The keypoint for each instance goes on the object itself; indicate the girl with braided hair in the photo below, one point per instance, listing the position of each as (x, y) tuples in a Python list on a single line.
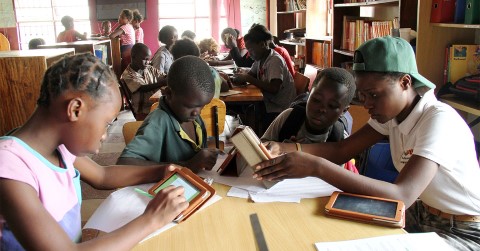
[(41, 163)]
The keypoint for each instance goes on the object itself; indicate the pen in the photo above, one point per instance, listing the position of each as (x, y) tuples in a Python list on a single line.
[(140, 191)]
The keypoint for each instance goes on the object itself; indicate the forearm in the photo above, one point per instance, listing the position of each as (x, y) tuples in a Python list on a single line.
[(150, 87), (128, 175), (265, 86)]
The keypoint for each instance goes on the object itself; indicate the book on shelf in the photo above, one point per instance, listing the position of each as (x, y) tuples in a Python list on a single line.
[(463, 60), (357, 30), (321, 56)]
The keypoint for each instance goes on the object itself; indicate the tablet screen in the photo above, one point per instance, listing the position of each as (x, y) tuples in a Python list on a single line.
[(366, 205), (176, 180)]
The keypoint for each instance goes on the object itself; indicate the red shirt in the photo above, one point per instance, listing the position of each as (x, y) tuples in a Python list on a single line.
[(288, 60)]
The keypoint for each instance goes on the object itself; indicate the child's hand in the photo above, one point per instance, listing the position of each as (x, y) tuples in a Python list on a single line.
[(205, 159), (230, 42), (286, 166), (240, 78), (167, 204), (276, 148)]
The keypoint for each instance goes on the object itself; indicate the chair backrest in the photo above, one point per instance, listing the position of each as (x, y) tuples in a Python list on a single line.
[(128, 96), (154, 106), (214, 123), (4, 43), (310, 72), (377, 163), (301, 83), (130, 129)]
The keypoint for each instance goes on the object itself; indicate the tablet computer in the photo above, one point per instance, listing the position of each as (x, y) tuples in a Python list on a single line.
[(197, 191), (368, 209)]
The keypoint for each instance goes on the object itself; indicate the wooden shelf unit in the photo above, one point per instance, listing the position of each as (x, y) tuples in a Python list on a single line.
[(405, 10), (20, 82), (288, 20)]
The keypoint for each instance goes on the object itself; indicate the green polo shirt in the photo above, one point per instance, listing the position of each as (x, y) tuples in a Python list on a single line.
[(161, 139)]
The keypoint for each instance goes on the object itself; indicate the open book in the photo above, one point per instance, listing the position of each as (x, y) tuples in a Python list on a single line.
[(251, 149)]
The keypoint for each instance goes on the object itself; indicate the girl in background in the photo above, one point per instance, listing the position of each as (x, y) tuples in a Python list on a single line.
[(137, 20), (69, 34), (127, 36), (163, 58)]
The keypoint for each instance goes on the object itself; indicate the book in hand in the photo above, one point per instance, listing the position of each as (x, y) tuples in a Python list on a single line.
[(251, 148), (197, 191), (368, 209)]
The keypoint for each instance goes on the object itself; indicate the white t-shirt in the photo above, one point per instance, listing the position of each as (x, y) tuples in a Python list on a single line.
[(435, 131)]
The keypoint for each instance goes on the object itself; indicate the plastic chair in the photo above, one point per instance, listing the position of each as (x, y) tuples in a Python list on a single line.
[(129, 130), (4, 43), (128, 98), (301, 83), (377, 163), (213, 115)]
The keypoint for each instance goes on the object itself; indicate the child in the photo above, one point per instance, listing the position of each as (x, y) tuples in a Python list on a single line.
[(189, 34), (137, 20), (237, 50), (436, 163), (41, 163), (69, 34), (269, 73), (208, 49), (184, 47), (318, 120), (106, 28), (163, 58), (175, 132), (142, 79), (284, 53), (35, 42), (127, 36)]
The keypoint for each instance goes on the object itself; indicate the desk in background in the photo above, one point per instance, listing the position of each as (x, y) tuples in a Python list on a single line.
[(20, 81), (225, 225), (463, 105)]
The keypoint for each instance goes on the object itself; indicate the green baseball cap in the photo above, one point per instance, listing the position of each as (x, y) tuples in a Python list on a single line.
[(389, 54)]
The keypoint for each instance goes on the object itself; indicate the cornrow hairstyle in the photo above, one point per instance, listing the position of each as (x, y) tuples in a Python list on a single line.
[(190, 73), (128, 14), (137, 16), (341, 77), (165, 33), (81, 72), (258, 33), (184, 47)]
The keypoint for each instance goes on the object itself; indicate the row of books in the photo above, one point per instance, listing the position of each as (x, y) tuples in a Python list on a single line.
[(358, 30), (455, 11), (293, 5), (358, 1), (461, 60), (322, 54)]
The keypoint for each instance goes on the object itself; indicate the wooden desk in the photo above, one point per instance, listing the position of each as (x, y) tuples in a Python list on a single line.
[(225, 225), (466, 106), (250, 93), (21, 74), (84, 46)]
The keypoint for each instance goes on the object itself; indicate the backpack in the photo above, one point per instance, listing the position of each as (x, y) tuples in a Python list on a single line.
[(467, 87), (297, 117)]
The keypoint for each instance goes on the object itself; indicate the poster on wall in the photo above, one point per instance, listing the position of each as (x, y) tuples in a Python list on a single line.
[(110, 9)]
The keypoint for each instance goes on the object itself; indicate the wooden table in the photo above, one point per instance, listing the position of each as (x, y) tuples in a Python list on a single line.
[(464, 105), (225, 225), (250, 93)]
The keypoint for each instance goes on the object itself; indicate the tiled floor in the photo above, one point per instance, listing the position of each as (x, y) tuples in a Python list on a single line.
[(108, 154)]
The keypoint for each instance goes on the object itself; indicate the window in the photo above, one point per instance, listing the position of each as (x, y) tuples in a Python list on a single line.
[(194, 15), (41, 18)]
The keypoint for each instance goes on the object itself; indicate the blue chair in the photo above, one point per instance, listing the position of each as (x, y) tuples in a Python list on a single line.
[(377, 163)]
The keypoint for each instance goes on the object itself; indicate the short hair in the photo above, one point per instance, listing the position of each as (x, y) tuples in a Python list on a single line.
[(230, 31), (137, 16), (339, 76), (165, 32), (258, 33), (137, 48), (81, 72), (208, 44), (190, 34), (190, 73), (128, 14), (66, 20), (35, 42), (184, 47)]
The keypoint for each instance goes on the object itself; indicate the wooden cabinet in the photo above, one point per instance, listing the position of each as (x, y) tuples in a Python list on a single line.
[(405, 10), (21, 74), (318, 42), (433, 38)]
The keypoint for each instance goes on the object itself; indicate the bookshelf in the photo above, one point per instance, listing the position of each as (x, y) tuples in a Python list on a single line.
[(291, 16), (380, 10)]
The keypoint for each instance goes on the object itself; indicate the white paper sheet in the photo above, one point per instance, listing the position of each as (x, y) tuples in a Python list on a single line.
[(229, 93), (124, 205), (401, 242), (289, 190)]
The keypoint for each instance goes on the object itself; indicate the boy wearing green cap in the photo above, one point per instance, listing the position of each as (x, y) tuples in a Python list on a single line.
[(431, 145)]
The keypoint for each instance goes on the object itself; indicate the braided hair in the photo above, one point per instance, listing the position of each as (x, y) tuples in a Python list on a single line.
[(81, 72)]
